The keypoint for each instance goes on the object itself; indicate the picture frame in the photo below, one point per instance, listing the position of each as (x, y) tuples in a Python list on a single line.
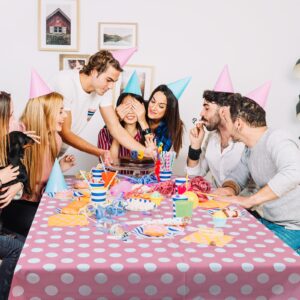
[(58, 25), (72, 61), (145, 74), (115, 36)]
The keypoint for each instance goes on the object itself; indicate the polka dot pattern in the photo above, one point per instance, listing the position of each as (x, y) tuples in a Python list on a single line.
[(81, 261)]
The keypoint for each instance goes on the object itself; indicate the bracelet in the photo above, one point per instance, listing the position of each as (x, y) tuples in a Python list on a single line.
[(146, 131), (194, 154), (1, 183), (231, 184)]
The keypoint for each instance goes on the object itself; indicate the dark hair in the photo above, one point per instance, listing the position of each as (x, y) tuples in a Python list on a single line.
[(219, 98), (100, 61), (172, 117), (248, 110)]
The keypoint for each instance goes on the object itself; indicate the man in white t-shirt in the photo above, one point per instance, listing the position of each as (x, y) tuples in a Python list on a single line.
[(83, 94)]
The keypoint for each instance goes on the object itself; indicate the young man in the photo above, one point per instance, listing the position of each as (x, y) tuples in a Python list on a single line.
[(219, 154), (272, 158), (82, 96)]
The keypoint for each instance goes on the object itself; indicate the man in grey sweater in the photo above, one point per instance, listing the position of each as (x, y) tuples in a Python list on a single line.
[(272, 158)]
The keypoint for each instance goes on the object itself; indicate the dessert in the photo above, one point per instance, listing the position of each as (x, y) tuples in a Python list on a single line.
[(64, 195), (156, 197), (231, 213), (155, 230), (80, 184)]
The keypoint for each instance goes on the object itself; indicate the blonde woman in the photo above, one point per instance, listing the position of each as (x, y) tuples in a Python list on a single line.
[(44, 115)]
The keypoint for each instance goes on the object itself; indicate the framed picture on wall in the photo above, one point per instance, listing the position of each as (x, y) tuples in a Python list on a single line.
[(145, 75), (72, 61), (114, 36), (58, 25)]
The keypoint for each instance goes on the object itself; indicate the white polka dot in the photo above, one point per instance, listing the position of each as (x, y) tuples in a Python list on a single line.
[(247, 267), (279, 267), (156, 241), (241, 241), (84, 237), (51, 254), (173, 245), (69, 241), (289, 259), (250, 250), (115, 254), (260, 233), (214, 290), (199, 278), (55, 237), (146, 254), (190, 250), (67, 278), (113, 245), (143, 245), (67, 260), (281, 250), (183, 290), (150, 267), (35, 298), (164, 259), (118, 290), (263, 278), (269, 241), (51, 290), (101, 278), (33, 278), (231, 278), (18, 291), (215, 267), (166, 278), (82, 245), (294, 278), (84, 290), (36, 250), (259, 259), (246, 289), (150, 290), (177, 254), (261, 298), (208, 254), (196, 259), (237, 254), (130, 250), (34, 260), (40, 241), (134, 278), (100, 260), (277, 289), (49, 267), (117, 267), (83, 255), (182, 267), (53, 245), (99, 250), (251, 237), (227, 259), (199, 298), (260, 245), (132, 260), (68, 250), (134, 298), (160, 250), (83, 267), (230, 298), (267, 254)]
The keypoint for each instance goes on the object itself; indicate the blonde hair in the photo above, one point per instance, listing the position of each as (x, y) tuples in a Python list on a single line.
[(5, 105), (39, 115)]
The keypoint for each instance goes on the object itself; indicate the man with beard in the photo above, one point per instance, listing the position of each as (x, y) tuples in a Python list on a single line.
[(217, 154), (272, 158)]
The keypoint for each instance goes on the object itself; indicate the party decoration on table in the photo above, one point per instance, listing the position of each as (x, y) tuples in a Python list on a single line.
[(56, 181), (140, 154), (183, 208), (167, 159), (118, 231), (62, 220), (164, 221), (157, 231), (74, 207), (208, 236), (200, 185), (157, 168), (175, 198), (136, 204), (230, 212), (192, 197), (97, 173), (180, 181), (109, 178), (156, 197), (123, 186), (166, 188), (145, 179), (98, 195), (80, 184), (133, 154), (160, 147), (84, 176), (213, 204), (179, 86), (219, 218)]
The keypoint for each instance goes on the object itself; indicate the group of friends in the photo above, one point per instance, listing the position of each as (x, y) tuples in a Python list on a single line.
[(237, 144)]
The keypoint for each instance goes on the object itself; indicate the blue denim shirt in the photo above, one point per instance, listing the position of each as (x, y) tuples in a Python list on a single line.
[(162, 136)]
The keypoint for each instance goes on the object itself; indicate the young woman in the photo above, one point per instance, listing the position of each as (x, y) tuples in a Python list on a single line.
[(44, 115), (164, 119)]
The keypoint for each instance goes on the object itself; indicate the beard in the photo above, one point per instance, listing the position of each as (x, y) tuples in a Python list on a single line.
[(213, 123)]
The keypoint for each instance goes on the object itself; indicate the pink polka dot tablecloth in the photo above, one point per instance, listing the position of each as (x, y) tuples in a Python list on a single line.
[(83, 263)]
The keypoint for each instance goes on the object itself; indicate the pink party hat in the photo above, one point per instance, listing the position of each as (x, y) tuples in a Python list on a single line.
[(37, 86), (260, 94), (123, 55), (224, 83)]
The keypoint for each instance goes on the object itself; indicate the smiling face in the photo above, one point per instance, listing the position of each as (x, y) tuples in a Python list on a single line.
[(210, 115), (60, 118), (131, 117), (105, 81), (157, 106)]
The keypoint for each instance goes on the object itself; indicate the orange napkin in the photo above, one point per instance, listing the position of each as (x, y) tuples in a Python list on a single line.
[(107, 176), (61, 220), (213, 204), (74, 207), (208, 236)]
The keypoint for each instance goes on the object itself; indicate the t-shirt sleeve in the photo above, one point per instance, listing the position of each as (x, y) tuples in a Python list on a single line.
[(104, 139), (106, 99)]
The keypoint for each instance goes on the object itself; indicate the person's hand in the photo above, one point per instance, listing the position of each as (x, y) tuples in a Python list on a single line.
[(123, 109), (139, 109), (67, 162), (9, 173), (9, 193), (242, 201), (151, 148), (196, 136), (32, 135), (226, 191), (106, 157)]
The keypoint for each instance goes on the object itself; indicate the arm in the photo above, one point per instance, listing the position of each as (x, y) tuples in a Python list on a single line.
[(76, 141), (196, 138), (9, 193), (117, 131), (114, 149)]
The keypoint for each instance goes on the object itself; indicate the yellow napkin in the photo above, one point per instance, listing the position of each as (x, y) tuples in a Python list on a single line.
[(61, 220), (213, 204), (208, 236), (74, 207)]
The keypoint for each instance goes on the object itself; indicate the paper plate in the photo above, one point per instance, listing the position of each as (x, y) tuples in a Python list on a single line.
[(136, 204), (171, 231), (240, 213)]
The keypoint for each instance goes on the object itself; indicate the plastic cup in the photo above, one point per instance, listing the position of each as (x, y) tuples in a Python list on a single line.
[(183, 208), (97, 174), (95, 185), (165, 175), (177, 198), (98, 194), (180, 181), (219, 222)]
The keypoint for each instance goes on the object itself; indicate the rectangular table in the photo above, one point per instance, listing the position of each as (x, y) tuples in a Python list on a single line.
[(83, 263)]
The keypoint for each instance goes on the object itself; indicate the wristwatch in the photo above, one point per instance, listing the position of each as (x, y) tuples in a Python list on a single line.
[(146, 131)]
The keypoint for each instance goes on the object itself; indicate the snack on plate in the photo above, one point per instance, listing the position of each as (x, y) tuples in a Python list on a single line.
[(74, 207), (231, 213), (155, 230), (64, 195), (156, 197), (220, 214), (192, 197), (80, 184)]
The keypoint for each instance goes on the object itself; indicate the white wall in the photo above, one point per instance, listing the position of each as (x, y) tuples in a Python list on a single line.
[(258, 39)]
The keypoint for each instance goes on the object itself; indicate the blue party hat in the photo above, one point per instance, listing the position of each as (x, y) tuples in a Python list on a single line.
[(133, 85), (179, 86), (56, 181)]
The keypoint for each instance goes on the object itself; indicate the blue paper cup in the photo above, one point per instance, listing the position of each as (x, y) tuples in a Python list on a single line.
[(180, 181), (97, 174), (95, 185), (219, 222), (98, 194), (165, 175)]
